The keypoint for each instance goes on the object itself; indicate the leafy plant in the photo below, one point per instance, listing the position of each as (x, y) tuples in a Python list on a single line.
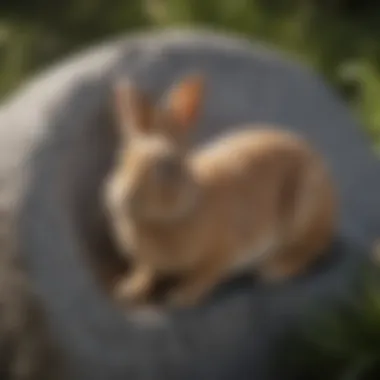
[(346, 340)]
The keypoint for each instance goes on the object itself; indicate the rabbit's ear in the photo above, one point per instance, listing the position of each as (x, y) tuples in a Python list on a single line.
[(183, 102), (134, 111)]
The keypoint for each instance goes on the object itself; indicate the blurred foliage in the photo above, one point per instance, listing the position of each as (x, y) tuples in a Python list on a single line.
[(343, 343), (350, 335), (337, 37)]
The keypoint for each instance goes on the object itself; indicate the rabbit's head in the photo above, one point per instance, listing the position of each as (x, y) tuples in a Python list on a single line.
[(152, 180)]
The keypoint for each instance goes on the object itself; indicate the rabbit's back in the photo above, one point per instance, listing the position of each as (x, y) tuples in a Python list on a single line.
[(243, 176)]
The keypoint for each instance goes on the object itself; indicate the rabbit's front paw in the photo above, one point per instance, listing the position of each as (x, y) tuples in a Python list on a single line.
[(134, 289)]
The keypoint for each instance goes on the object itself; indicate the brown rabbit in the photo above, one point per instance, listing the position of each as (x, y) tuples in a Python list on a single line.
[(259, 199)]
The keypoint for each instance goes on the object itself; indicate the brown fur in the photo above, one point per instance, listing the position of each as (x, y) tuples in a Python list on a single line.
[(259, 199)]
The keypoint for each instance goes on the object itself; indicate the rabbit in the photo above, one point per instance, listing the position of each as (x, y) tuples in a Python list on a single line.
[(258, 199)]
